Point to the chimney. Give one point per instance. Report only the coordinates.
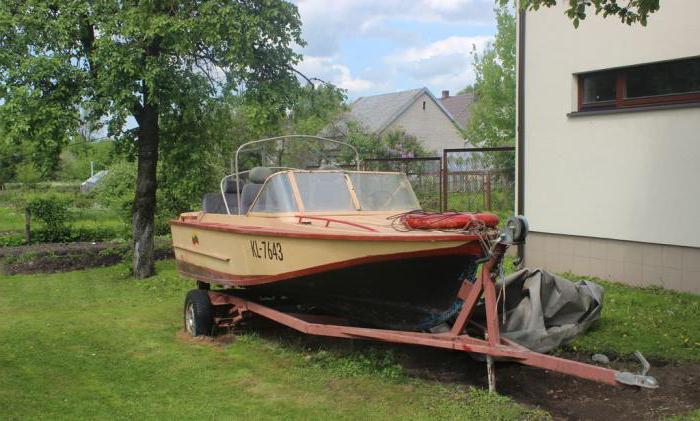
(445, 94)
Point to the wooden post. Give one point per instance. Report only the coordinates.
(28, 225)
(491, 373)
(445, 182)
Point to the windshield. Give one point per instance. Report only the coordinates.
(276, 195)
(332, 191)
(377, 192)
(324, 191)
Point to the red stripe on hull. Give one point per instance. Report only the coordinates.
(276, 232)
(216, 277)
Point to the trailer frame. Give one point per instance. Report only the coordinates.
(493, 345)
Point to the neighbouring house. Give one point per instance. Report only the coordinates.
(609, 145)
(458, 105)
(417, 112)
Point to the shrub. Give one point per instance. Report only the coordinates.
(52, 210)
(116, 190)
(179, 191)
(27, 173)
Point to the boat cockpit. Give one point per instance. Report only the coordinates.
(265, 191)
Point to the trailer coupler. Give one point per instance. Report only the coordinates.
(641, 379)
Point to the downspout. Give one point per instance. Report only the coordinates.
(520, 121)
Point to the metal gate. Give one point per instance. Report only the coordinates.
(425, 175)
(479, 179)
(466, 179)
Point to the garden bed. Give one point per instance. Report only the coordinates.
(59, 257)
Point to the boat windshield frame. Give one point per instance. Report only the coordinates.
(296, 137)
(357, 205)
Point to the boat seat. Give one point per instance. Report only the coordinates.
(248, 194)
(214, 202)
(257, 177)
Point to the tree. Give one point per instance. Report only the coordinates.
(469, 89)
(314, 107)
(629, 11)
(148, 60)
(492, 121)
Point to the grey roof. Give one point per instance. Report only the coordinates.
(96, 177)
(459, 106)
(375, 113)
(91, 182)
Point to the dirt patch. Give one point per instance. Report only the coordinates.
(218, 340)
(54, 257)
(565, 397)
(54, 248)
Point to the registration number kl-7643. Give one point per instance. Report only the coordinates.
(270, 250)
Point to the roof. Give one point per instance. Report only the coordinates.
(375, 113)
(94, 179)
(459, 107)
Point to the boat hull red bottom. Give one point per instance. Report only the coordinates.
(409, 294)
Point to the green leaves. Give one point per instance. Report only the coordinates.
(629, 11)
(492, 120)
(52, 209)
(101, 57)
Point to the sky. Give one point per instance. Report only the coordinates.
(377, 46)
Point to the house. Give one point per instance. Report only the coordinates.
(416, 111)
(609, 145)
(458, 105)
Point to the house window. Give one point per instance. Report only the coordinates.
(424, 105)
(671, 82)
(598, 89)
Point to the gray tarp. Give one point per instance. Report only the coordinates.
(544, 310)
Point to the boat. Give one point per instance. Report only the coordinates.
(351, 243)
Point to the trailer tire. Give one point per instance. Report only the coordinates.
(198, 314)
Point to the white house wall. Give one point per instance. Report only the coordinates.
(430, 125)
(627, 176)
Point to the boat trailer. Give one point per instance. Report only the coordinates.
(492, 346)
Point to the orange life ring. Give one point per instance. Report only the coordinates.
(448, 220)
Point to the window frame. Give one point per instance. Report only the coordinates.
(622, 102)
(296, 194)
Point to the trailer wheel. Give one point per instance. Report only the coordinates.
(199, 313)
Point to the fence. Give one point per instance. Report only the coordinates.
(468, 179)
(423, 173)
(476, 179)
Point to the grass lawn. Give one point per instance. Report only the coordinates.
(13, 220)
(662, 324)
(96, 217)
(96, 344)
(12, 215)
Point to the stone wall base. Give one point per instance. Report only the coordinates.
(637, 264)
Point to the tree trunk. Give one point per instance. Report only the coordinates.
(143, 220)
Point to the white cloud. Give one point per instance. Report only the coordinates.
(327, 69)
(446, 63)
(398, 35)
(325, 22)
(449, 46)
